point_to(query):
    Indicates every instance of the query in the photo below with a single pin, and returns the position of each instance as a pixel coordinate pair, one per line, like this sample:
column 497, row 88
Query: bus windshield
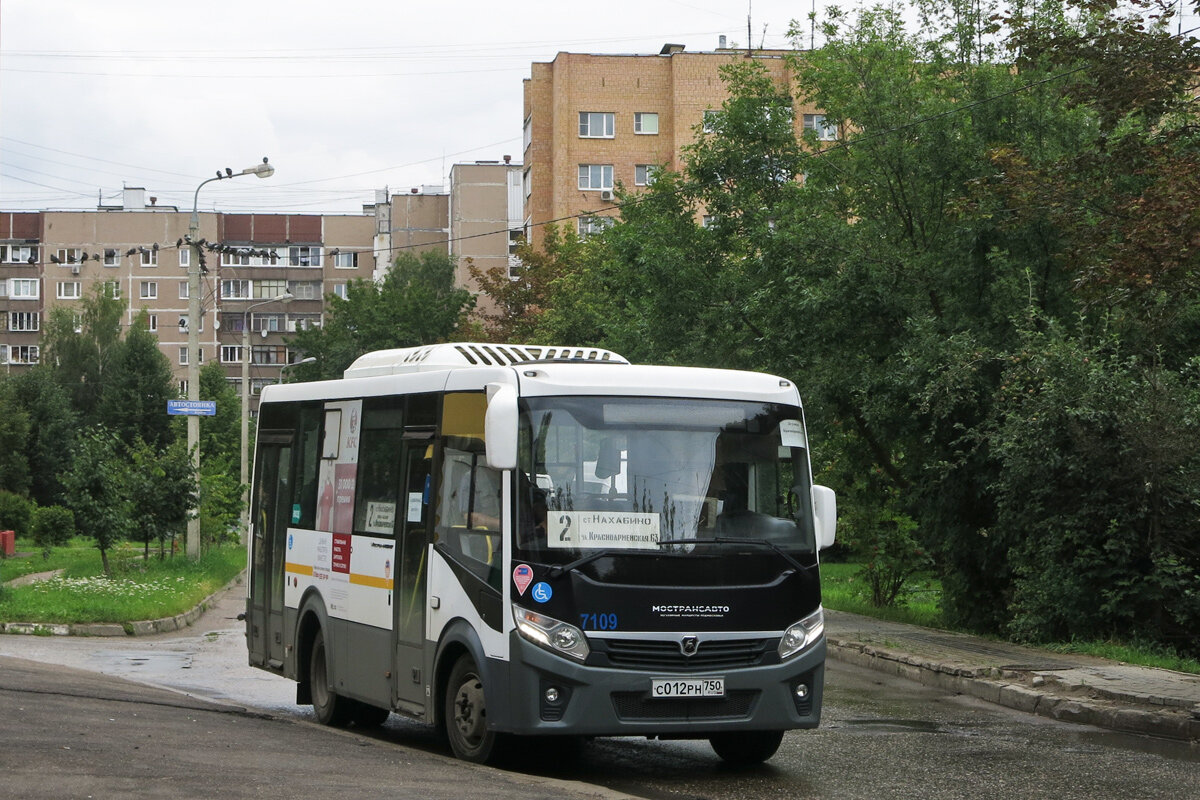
column 619, row 474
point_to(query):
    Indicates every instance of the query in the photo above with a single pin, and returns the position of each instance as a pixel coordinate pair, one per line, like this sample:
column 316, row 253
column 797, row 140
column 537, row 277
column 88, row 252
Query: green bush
column 53, row 526
column 16, row 513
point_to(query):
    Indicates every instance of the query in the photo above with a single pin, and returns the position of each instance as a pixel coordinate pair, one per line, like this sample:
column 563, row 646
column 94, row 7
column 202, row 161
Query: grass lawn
column 842, row 591
column 137, row 589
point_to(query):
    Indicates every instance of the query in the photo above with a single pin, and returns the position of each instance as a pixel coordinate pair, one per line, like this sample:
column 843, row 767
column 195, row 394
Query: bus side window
column 469, row 502
column 377, row 508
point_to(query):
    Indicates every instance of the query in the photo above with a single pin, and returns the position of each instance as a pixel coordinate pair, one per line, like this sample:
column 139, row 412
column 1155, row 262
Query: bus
column 508, row 540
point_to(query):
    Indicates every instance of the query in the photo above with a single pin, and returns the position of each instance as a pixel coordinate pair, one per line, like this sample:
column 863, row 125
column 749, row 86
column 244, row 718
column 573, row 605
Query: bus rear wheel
column 329, row 707
column 465, row 714
column 746, row 748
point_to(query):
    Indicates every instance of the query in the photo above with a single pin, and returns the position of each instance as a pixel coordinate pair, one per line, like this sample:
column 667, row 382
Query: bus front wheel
column 746, row 748
column 329, row 707
column 465, row 714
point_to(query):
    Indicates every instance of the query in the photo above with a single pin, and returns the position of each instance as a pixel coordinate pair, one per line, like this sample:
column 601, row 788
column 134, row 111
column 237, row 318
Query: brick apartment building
column 592, row 121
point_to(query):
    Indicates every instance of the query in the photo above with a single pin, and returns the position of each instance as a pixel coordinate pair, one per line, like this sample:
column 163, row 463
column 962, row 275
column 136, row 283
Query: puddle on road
column 891, row 725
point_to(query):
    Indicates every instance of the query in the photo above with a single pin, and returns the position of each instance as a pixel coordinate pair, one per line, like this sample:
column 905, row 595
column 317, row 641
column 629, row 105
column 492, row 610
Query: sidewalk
column 1072, row 688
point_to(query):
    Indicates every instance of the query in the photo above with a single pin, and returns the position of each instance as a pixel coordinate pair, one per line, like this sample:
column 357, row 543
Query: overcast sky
column 344, row 97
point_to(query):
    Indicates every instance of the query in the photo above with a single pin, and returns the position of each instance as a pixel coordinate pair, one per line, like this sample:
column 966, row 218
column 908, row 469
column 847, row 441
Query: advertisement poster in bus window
column 335, row 502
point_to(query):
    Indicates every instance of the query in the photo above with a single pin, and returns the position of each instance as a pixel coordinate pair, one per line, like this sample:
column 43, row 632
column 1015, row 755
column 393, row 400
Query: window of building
column 23, row 354
column 303, row 322
column 526, row 182
column 183, row 351
column 183, row 290
column 268, row 322
column 825, row 131
column 148, row 290
column 339, row 290
column 707, row 221
column 527, row 133
column 183, row 323
column 149, row 257
column 23, row 321
column 231, row 354
column 645, row 122
column 235, row 290
column 112, row 257
column 643, row 174
column 112, row 289
column 345, row 260
column 595, row 176
column 305, row 290
column 183, row 387
column 268, row 354
column 304, row 256
column 152, row 323
column 589, row 226
column 711, row 120
column 185, row 256
column 597, row 124
column 69, row 255
column 18, row 254
column 23, row 288
column 266, row 290
column 69, row 290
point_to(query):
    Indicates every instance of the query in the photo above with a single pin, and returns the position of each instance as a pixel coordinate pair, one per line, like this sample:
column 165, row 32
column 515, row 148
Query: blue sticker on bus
column 542, row 592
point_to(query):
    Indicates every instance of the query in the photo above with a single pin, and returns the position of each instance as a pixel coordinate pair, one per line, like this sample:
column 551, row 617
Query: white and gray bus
column 503, row 540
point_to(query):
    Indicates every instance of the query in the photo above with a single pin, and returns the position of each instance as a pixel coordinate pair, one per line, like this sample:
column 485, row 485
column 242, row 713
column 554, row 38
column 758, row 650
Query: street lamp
column 286, row 297
column 263, row 170
column 308, row 360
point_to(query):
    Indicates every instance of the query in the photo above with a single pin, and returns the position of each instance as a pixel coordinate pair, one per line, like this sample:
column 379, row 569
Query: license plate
column 687, row 687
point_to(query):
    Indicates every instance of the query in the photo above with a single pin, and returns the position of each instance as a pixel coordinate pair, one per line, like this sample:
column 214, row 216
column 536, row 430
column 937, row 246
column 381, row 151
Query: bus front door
column 417, row 455
column 270, row 518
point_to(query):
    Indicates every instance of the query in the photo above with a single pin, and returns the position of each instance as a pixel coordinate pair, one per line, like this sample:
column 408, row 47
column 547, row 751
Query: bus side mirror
column 825, row 510
column 500, row 426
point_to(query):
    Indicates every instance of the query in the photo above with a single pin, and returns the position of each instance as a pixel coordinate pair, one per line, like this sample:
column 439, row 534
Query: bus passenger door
column 417, row 455
column 270, row 517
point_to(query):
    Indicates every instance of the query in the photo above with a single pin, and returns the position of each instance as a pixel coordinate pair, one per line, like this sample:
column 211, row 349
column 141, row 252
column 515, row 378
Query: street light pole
column 263, row 170
column 285, row 367
column 286, row 297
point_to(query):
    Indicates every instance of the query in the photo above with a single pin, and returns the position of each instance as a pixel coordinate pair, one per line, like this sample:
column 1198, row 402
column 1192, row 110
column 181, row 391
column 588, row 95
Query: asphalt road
column 880, row 737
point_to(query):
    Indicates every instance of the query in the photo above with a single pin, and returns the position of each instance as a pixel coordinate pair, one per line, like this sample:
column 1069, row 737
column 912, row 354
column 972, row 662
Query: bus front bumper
column 547, row 694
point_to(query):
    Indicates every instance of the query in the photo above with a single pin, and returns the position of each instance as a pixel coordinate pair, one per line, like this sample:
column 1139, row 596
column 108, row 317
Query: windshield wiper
column 731, row 540
column 559, row 569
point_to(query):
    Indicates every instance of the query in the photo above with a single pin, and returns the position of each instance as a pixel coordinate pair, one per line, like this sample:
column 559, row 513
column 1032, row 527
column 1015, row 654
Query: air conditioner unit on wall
column 606, row 194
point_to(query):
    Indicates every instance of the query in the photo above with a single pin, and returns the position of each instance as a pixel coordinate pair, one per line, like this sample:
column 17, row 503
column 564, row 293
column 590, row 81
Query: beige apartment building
column 593, row 121
column 486, row 212
column 135, row 251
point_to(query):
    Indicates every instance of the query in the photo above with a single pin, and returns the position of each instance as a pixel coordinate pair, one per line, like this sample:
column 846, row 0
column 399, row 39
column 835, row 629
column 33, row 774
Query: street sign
column 192, row 408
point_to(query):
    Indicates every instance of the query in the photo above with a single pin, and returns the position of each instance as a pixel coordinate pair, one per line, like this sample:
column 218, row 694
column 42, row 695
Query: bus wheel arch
column 312, row 620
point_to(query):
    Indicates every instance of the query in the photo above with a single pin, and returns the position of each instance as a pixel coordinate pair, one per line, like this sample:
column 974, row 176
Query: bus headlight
column 802, row 634
column 551, row 634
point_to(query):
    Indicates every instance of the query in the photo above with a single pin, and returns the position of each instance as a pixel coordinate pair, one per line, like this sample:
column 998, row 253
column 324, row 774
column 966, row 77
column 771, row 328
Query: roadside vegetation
column 134, row 588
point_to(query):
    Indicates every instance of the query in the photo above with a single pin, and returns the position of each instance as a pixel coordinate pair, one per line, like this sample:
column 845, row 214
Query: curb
column 141, row 628
column 1139, row 715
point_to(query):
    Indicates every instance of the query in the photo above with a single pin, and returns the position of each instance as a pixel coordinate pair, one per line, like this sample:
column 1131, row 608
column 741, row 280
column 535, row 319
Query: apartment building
column 593, row 121
column 486, row 211
column 135, row 251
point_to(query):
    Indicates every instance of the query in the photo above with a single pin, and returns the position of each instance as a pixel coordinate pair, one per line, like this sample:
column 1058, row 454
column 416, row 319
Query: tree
column 416, row 303
column 52, row 427
column 80, row 347
column 95, row 489
column 163, row 483
column 138, row 383
column 14, row 439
